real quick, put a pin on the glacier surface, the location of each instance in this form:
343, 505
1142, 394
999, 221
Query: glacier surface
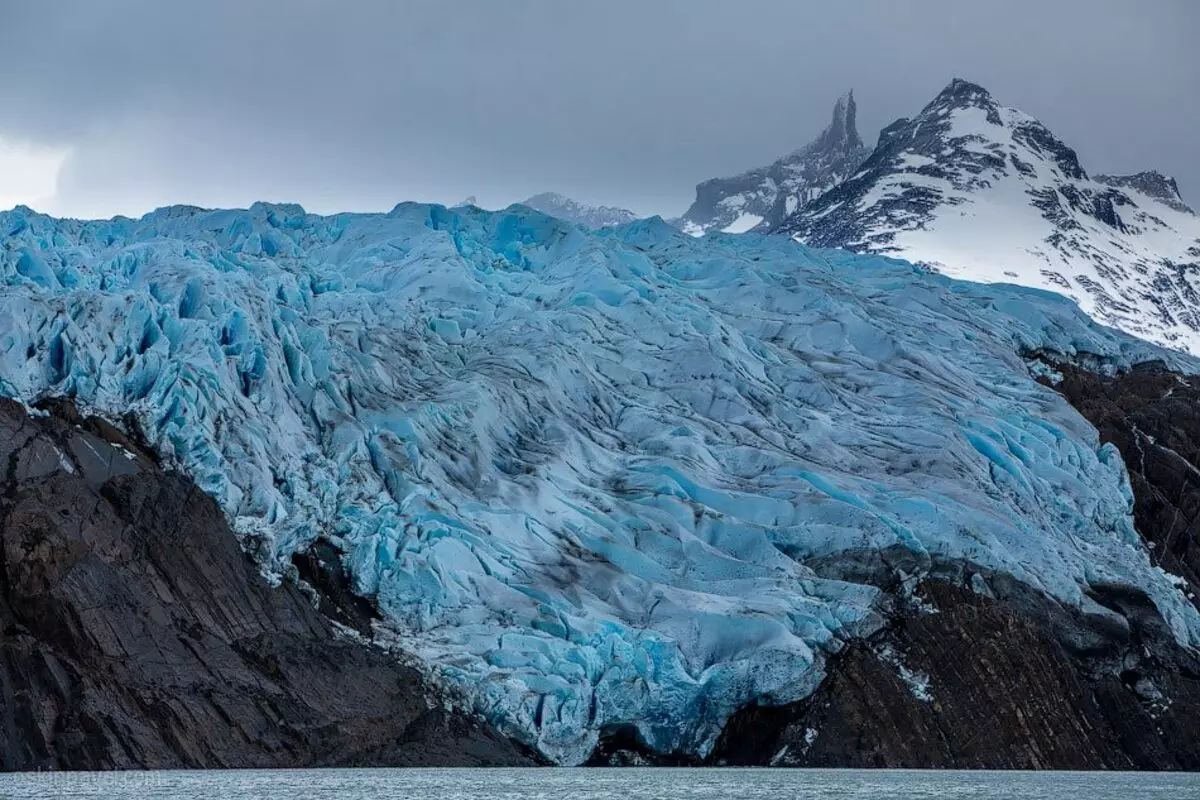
586, 474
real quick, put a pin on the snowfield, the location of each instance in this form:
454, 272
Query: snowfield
589, 476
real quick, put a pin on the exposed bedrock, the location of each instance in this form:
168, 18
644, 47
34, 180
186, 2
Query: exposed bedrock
1152, 415
995, 677
134, 632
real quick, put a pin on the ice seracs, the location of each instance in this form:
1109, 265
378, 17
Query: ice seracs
984, 192
765, 196
595, 479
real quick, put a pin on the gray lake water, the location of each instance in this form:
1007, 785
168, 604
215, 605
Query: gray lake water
601, 784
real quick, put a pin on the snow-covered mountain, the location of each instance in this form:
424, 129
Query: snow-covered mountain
769, 194
984, 192
597, 480
562, 207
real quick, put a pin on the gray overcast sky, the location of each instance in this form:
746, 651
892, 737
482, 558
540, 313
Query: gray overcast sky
358, 104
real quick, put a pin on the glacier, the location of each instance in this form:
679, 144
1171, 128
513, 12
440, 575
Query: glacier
586, 475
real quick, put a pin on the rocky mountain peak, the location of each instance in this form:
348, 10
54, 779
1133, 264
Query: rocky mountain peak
842, 133
1151, 183
962, 92
989, 193
960, 96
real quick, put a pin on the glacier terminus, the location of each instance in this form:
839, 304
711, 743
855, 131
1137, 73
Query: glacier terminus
594, 479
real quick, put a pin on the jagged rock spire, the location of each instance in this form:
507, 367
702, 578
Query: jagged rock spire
765, 196
842, 133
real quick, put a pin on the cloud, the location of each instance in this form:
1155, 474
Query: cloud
28, 175
354, 104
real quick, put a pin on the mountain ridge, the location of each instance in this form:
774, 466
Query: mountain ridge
986, 192
764, 196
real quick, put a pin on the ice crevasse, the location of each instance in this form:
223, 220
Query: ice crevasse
585, 474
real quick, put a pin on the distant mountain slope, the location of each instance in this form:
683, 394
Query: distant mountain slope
562, 207
769, 194
988, 193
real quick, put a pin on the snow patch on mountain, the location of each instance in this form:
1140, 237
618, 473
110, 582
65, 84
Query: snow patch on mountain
742, 224
769, 194
984, 192
586, 474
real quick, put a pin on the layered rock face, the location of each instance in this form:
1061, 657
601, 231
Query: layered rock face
134, 632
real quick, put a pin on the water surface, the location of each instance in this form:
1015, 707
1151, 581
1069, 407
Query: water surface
601, 784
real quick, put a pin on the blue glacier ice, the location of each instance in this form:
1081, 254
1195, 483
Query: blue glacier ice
585, 473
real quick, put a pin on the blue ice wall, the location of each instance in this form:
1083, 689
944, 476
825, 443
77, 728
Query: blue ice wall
584, 472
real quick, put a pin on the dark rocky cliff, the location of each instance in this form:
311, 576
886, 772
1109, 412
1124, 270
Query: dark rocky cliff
1152, 415
134, 633
993, 677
